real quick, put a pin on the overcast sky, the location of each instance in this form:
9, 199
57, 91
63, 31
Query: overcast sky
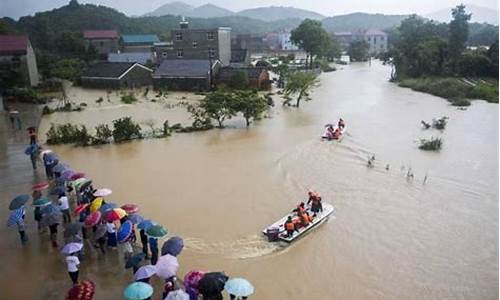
17, 8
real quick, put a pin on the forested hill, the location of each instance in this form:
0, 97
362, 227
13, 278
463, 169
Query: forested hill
362, 21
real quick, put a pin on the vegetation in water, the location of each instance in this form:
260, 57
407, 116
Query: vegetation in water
124, 129
434, 144
299, 84
128, 99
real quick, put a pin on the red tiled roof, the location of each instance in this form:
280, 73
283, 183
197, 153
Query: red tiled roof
10, 44
100, 34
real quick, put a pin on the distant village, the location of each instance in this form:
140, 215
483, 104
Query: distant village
193, 60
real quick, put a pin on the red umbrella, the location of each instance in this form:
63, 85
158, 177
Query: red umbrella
93, 219
115, 214
77, 176
83, 291
80, 208
40, 186
130, 208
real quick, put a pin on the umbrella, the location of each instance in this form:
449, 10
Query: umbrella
145, 224
41, 202
60, 181
76, 176
15, 216
172, 246
103, 192
48, 220
84, 185
108, 206
114, 214
100, 232
156, 231
58, 190
239, 287
42, 153
212, 283
40, 186
138, 291
80, 208
82, 291
130, 208
18, 201
135, 260
71, 248
191, 280
59, 168
136, 219
67, 174
72, 228
50, 209
167, 266
177, 295
124, 232
96, 204
145, 272
93, 219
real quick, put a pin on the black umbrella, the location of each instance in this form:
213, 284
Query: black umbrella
18, 201
212, 283
72, 229
85, 185
134, 260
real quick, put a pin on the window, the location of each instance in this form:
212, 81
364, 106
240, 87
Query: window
178, 36
210, 35
164, 54
369, 38
195, 44
211, 52
180, 52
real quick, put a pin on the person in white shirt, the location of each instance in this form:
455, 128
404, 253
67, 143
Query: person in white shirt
72, 261
64, 206
111, 229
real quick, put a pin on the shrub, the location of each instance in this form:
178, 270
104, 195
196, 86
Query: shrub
128, 99
440, 123
81, 136
125, 129
488, 92
434, 144
68, 134
103, 134
460, 102
46, 110
99, 101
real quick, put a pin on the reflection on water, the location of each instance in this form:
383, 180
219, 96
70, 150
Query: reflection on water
390, 239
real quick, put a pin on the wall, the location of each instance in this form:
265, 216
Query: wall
32, 67
136, 77
186, 44
182, 84
224, 46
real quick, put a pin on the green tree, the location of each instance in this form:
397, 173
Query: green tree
282, 70
299, 84
219, 105
358, 50
312, 37
70, 69
459, 32
250, 104
239, 80
493, 55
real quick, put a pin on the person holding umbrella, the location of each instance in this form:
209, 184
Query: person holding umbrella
238, 288
17, 218
72, 261
143, 226
154, 233
111, 232
138, 291
64, 207
32, 150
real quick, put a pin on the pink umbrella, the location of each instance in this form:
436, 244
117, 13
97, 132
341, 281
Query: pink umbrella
103, 192
191, 282
40, 186
130, 208
93, 219
167, 266
77, 176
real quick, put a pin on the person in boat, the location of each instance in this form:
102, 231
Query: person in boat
337, 133
301, 208
305, 219
341, 123
315, 201
290, 227
329, 132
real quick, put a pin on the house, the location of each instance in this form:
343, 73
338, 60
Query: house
195, 44
344, 38
285, 42
104, 41
249, 42
258, 78
240, 58
143, 58
17, 61
116, 75
161, 49
186, 74
377, 40
138, 42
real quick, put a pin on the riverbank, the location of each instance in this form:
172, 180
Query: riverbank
457, 91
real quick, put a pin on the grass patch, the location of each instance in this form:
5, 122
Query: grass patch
488, 92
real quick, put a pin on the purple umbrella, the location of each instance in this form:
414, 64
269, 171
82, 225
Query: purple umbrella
66, 174
136, 219
145, 272
167, 266
172, 246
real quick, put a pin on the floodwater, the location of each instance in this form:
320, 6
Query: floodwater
391, 238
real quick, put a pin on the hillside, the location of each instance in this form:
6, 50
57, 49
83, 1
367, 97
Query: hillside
209, 11
274, 13
361, 21
479, 14
172, 8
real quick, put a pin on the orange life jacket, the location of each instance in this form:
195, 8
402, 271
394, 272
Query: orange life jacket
289, 225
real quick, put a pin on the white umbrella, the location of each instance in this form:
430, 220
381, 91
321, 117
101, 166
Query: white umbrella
71, 248
145, 272
167, 266
177, 295
103, 192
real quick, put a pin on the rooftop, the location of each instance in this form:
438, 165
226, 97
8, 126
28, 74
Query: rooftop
140, 38
100, 34
375, 32
13, 44
109, 69
138, 57
183, 68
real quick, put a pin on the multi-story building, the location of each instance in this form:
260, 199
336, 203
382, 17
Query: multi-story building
138, 42
104, 41
211, 44
285, 42
377, 40
17, 61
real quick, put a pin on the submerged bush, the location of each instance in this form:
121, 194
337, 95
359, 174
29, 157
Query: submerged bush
440, 123
434, 144
103, 134
128, 99
125, 129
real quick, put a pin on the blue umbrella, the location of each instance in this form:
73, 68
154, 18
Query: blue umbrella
108, 206
146, 224
239, 287
50, 209
124, 232
15, 216
138, 291
136, 219
58, 190
172, 246
134, 260
50, 157
59, 168
18, 201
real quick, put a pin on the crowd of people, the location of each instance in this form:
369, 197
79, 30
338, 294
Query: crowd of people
69, 198
303, 218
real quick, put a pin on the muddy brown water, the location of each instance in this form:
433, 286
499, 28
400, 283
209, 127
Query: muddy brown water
390, 238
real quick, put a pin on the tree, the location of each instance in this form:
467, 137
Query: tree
70, 69
358, 50
250, 104
299, 83
312, 37
493, 55
282, 70
219, 105
333, 50
239, 80
459, 32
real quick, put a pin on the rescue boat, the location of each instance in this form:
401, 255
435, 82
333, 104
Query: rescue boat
342, 134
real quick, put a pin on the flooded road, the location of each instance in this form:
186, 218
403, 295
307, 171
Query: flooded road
390, 238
